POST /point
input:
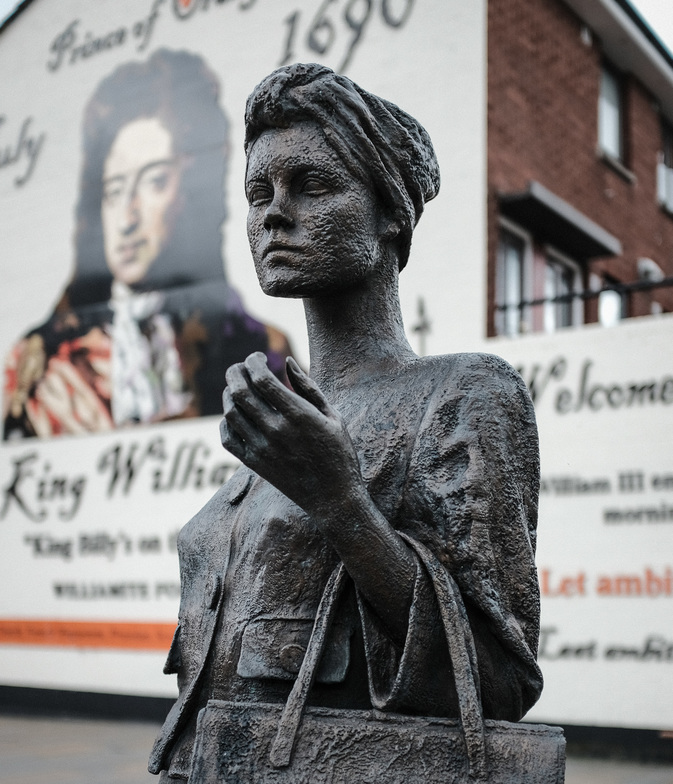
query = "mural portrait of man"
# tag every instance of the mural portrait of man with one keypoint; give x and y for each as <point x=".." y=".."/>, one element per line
<point x="148" y="323"/>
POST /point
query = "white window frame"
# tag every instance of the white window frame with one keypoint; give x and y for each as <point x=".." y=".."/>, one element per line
<point x="525" y="320"/>
<point x="611" y="114"/>
<point x="665" y="168"/>
<point x="554" y="255"/>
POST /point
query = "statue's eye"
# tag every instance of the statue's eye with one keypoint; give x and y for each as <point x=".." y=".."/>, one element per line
<point x="259" y="194"/>
<point x="314" y="186"/>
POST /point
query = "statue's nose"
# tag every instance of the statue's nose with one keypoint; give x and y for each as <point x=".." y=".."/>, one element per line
<point x="278" y="213"/>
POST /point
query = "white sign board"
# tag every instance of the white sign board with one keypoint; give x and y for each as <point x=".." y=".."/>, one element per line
<point x="90" y="504"/>
<point x="604" y="403"/>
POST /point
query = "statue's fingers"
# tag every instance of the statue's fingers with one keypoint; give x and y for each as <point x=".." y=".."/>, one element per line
<point x="234" y="415"/>
<point x="243" y="430"/>
<point x="306" y="387"/>
<point x="231" y="440"/>
<point x="267" y="385"/>
<point x="243" y="393"/>
<point x="236" y="376"/>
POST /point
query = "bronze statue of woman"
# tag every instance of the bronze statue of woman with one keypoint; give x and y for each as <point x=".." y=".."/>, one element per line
<point x="373" y="449"/>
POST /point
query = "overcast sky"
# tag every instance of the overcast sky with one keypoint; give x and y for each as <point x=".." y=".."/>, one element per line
<point x="657" y="13"/>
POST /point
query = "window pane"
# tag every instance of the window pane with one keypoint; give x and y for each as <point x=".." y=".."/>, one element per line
<point x="609" y="115"/>
<point x="549" y="293"/>
<point x="564" y="310"/>
<point x="509" y="285"/>
<point x="665" y="167"/>
<point x="559" y="281"/>
<point x="667" y="143"/>
<point x="610" y="308"/>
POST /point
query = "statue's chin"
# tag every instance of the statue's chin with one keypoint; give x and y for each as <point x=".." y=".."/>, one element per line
<point x="289" y="283"/>
<point x="281" y="288"/>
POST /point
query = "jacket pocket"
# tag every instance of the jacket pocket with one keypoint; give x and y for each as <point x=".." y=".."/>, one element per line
<point x="275" y="648"/>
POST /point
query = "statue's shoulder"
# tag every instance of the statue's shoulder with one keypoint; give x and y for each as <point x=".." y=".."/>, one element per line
<point x="471" y="372"/>
<point x="483" y="387"/>
<point x="214" y="515"/>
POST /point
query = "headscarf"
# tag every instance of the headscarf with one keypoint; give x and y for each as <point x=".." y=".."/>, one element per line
<point x="376" y="140"/>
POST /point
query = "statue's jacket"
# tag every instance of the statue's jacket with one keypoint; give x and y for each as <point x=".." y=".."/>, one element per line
<point x="448" y="448"/>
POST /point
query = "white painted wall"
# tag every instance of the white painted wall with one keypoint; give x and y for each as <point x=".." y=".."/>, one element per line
<point x="605" y="552"/>
<point x="433" y="66"/>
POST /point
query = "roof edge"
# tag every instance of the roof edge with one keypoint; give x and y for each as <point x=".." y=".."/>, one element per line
<point x="557" y="222"/>
<point x="631" y="44"/>
<point x="647" y="31"/>
<point x="18" y="10"/>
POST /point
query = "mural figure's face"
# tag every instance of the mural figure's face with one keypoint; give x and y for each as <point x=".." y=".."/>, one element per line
<point x="141" y="180"/>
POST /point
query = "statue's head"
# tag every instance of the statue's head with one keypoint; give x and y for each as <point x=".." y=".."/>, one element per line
<point x="375" y="144"/>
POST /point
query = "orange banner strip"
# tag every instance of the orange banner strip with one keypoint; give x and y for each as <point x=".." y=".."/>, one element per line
<point x="88" y="634"/>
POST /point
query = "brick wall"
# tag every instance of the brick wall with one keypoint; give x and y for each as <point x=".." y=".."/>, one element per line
<point x="543" y="83"/>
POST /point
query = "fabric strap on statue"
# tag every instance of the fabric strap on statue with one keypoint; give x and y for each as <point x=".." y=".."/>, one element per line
<point x="461" y="650"/>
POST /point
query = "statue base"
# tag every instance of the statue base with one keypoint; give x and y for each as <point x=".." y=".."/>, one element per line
<point x="234" y="742"/>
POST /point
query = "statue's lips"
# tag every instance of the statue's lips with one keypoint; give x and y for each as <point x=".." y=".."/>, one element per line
<point x="279" y="251"/>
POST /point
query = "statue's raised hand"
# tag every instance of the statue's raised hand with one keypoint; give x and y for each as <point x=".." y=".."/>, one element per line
<point x="294" y="439"/>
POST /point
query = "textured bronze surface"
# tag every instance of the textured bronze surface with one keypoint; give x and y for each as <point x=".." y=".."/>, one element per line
<point x="419" y="475"/>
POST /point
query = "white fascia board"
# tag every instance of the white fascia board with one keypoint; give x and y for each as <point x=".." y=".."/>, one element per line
<point x="625" y="44"/>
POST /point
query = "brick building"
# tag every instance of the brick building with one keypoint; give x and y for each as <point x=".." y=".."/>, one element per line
<point x="580" y="165"/>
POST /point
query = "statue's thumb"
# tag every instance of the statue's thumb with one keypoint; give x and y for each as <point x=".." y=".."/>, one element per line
<point x="306" y="387"/>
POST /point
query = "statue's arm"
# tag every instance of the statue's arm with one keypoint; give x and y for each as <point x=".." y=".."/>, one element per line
<point x="475" y="464"/>
<point x="299" y="443"/>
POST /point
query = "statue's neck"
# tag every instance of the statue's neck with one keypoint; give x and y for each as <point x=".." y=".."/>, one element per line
<point x="355" y="335"/>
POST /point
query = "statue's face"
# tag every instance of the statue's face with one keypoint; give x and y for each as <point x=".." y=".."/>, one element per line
<point x="314" y="229"/>
<point x="141" y="180"/>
